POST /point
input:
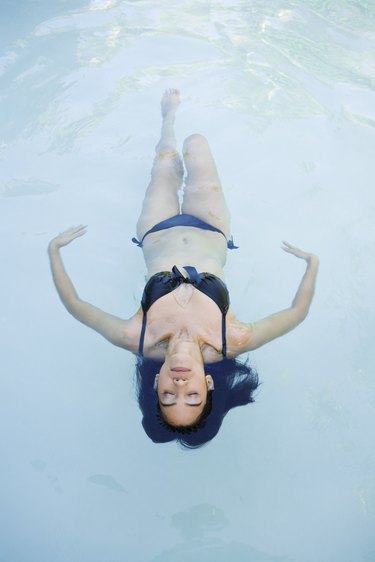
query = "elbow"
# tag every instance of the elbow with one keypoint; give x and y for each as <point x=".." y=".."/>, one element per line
<point x="300" y="314"/>
<point x="314" y="260"/>
<point x="71" y="304"/>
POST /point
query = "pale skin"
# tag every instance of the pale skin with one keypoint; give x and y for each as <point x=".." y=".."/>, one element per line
<point x="184" y="326"/>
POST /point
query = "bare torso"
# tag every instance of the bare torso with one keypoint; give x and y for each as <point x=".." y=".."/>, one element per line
<point x="187" y="307"/>
<point x="181" y="245"/>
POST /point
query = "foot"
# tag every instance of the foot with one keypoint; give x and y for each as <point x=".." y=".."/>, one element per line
<point x="170" y="102"/>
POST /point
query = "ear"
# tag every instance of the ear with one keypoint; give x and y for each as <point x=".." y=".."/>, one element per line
<point x="156" y="380"/>
<point x="210" y="382"/>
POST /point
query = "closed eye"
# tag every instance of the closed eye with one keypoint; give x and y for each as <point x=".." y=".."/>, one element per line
<point x="168" y="399"/>
<point x="193" y="399"/>
<point x="165" y="404"/>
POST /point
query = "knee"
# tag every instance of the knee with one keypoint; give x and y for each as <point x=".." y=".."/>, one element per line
<point x="168" y="158"/>
<point x="195" y="141"/>
<point x="167" y="154"/>
<point x="167" y="161"/>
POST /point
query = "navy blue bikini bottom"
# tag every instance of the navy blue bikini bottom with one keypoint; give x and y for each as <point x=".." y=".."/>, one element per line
<point x="184" y="220"/>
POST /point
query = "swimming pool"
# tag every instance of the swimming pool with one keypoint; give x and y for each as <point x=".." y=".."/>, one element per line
<point x="284" y="91"/>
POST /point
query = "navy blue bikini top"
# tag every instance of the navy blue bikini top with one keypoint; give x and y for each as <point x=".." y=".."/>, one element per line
<point x="165" y="282"/>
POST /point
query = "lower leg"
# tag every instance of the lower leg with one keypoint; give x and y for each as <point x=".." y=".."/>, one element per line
<point x="169" y="104"/>
<point x="167" y="140"/>
<point x="161" y="198"/>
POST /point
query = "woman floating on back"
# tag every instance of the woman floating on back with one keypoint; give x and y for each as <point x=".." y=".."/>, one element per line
<point x="185" y="335"/>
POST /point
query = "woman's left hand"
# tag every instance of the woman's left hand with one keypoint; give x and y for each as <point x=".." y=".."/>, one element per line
<point x="308" y="257"/>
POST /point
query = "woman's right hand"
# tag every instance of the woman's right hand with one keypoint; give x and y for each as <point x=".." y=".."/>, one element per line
<point x="67" y="236"/>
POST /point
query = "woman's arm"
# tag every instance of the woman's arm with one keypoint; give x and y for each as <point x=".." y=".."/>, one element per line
<point x="112" y="328"/>
<point x="282" y="322"/>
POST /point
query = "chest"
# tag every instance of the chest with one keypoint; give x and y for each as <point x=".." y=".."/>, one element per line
<point x="184" y="306"/>
<point x="184" y="310"/>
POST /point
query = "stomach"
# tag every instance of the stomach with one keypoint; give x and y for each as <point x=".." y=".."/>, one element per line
<point x="184" y="245"/>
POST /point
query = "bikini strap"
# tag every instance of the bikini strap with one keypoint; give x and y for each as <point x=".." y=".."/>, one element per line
<point x="194" y="277"/>
<point x="142" y="336"/>
<point x="223" y="336"/>
<point x="139" y="243"/>
<point x="230" y="244"/>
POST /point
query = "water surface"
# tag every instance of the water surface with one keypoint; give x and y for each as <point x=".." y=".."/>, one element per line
<point x="284" y="91"/>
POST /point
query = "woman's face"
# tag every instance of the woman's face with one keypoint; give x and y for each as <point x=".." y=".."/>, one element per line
<point x="182" y="386"/>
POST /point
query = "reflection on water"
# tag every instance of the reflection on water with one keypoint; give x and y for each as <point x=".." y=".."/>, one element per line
<point x="283" y="56"/>
<point x="285" y="92"/>
<point x="27" y="186"/>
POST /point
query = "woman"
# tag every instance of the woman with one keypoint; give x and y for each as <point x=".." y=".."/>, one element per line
<point x="185" y="321"/>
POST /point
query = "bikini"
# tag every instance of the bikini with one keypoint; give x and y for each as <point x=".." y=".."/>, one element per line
<point x="165" y="282"/>
<point x="184" y="220"/>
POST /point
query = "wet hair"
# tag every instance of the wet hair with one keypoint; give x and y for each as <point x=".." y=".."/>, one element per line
<point x="235" y="382"/>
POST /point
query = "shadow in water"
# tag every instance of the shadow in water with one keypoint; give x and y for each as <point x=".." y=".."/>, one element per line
<point x="198" y="527"/>
<point x="107" y="481"/>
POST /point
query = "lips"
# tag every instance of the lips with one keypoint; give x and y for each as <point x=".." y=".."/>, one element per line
<point x="180" y="370"/>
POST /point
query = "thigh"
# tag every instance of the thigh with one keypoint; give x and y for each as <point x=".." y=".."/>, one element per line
<point x="203" y="195"/>
<point x="161" y="198"/>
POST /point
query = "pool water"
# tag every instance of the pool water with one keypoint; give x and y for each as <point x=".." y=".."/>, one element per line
<point x="285" y="93"/>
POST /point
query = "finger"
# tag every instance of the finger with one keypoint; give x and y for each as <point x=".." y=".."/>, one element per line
<point x="76" y="233"/>
<point x="288" y="245"/>
<point x="69" y="230"/>
<point x="73" y="230"/>
<point x="81" y="232"/>
<point x="79" y="227"/>
<point x="294" y="249"/>
<point x="288" y="250"/>
<point x="291" y="250"/>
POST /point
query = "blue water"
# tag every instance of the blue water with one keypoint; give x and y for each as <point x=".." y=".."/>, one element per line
<point x="285" y="93"/>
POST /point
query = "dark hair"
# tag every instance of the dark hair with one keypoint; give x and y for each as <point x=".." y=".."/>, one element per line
<point x="235" y="383"/>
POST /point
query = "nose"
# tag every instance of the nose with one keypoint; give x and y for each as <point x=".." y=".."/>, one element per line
<point x="179" y="380"/>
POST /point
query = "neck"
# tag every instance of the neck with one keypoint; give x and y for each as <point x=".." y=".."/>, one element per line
<point x="183" y="340"/>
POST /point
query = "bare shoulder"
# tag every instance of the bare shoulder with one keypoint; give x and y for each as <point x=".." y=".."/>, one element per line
<point x="239" y="335"/>
<point x="131" y="332"/>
